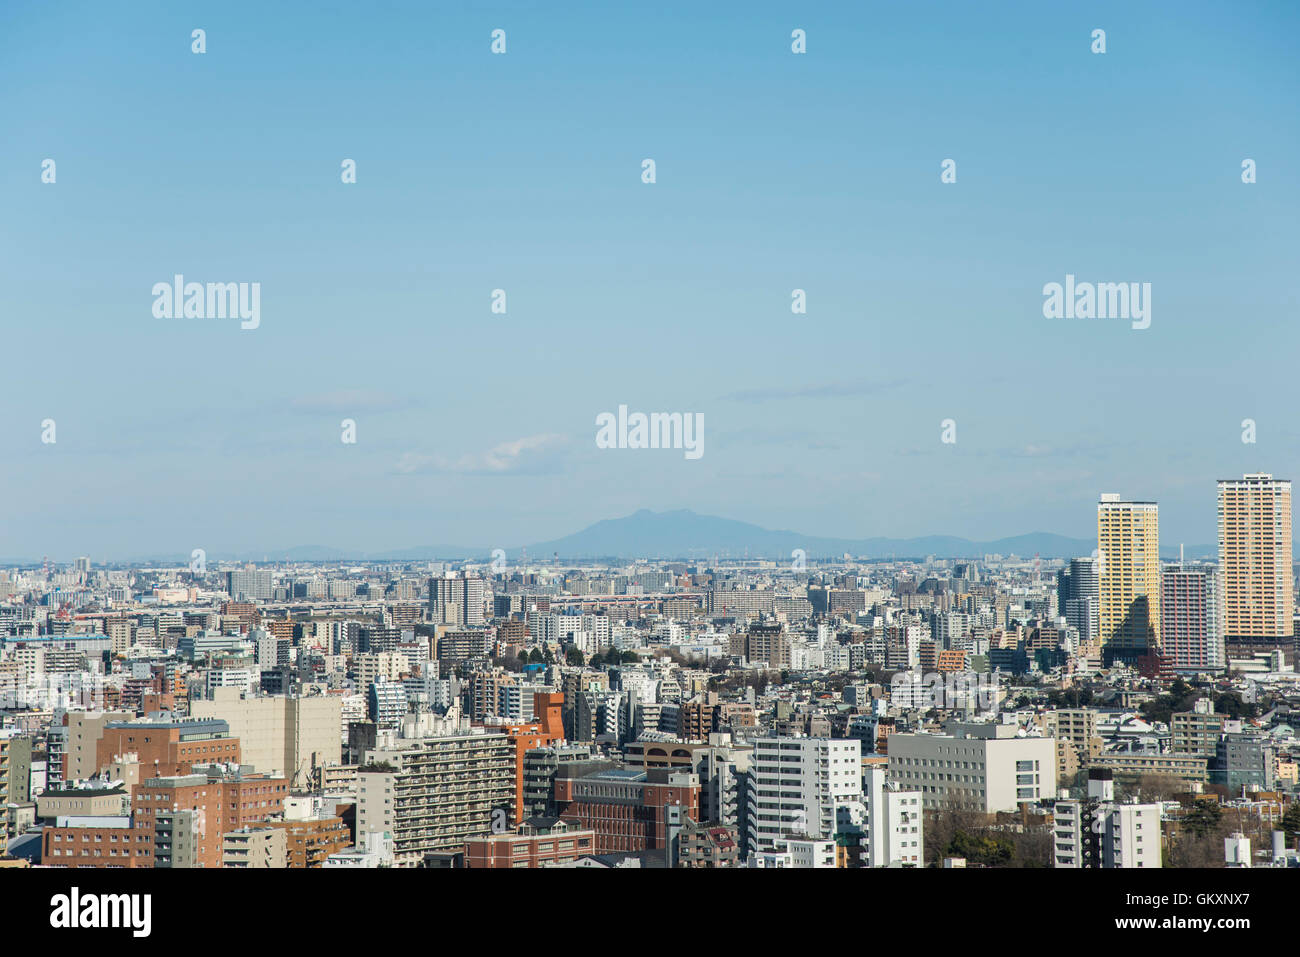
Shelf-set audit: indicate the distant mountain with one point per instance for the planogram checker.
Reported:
(683, 534)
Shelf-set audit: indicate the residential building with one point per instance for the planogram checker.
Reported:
(1128, 545)
(1255, 562)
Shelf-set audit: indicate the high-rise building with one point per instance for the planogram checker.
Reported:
(250, 583)
(1078, 598)
(1189, 619)
(456, 600)
(1128, 558)
(1255, 563)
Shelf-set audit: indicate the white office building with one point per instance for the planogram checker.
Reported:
(981, 767)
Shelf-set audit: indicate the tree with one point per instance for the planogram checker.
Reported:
(1157, 787)
(573, 656)
(1203, 818)
(1230, 703)
(1291, 821)
(991, 850)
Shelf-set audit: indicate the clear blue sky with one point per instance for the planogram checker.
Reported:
(522, 172)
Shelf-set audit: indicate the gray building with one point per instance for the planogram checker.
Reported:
(1245, 762)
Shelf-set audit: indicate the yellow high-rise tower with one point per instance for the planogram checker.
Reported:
(1258, 604)
(1128, 556)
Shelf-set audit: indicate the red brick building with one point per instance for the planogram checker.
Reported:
(626, 807)
(539, 841)
(168, 747)
(176, 822)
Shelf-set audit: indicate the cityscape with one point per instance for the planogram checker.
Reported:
(1109, 710)
(512, 437)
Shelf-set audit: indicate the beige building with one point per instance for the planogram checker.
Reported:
(1255, 560)
(1128, 547)
(280, 735)
(82, 802)
(85, 728)
(255, 848)
(1079, 727)
(1196, 732)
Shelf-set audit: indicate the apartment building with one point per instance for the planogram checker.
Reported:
(1256, 565)
(1189, 619)
(794, 785)
(1079, 727)
(539, 767)
(1196, 731)
(894, 829)
(1099, 832)
(434, 794)
(1128, 545)
(255, 848)
(310, 840)
(457, 600)
(1192, 768)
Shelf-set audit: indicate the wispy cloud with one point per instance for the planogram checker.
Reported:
(532, 454)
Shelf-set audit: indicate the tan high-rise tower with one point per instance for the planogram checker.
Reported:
(1255, 560)
(1128, 559)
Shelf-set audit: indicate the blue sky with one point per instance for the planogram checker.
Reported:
(775, 171)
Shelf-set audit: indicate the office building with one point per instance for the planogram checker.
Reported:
(289, 735)
(979, 767)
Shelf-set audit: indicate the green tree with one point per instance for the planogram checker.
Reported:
(1291, 821)
(1202, 818)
